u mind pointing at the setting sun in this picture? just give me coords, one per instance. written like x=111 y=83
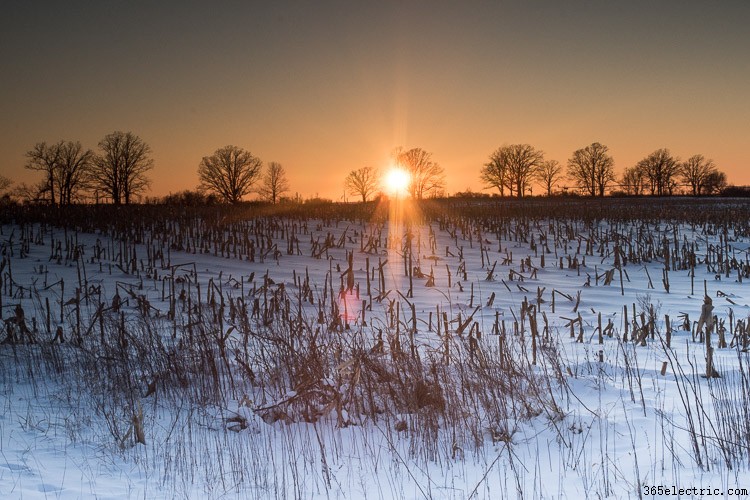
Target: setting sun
x=396 y=182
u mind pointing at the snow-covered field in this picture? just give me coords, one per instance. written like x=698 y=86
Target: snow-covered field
x=473 y=350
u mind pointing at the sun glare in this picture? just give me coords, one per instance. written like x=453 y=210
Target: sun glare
x=396 y=182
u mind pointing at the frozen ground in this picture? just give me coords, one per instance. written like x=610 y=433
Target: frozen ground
x=169 y=386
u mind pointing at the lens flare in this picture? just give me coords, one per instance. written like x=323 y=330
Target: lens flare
x=396 y=182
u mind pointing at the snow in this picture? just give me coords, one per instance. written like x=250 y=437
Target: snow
x=616 y=426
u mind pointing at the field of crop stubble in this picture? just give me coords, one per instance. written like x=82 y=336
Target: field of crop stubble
x=449 y=349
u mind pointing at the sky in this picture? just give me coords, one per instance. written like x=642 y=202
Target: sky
x=328 y=87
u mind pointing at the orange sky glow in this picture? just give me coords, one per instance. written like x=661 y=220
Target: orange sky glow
x=326 y=88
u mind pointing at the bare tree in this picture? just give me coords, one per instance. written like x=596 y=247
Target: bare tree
x=633 y=180
x=660 y=169
x=73 y=167
x=714 y=182
x=65 y=165
x=5 y=183
x=5 y=194
x=512 y=167
x=494 y=173
x=695 y=171
x=592 y=168
x=230 y=173
x=524 y=163
x=549 y=174
x=273 y=183
x=120 y=170
x=362 y=182
x=36 y=193
x=427 y=177
x=45 y=158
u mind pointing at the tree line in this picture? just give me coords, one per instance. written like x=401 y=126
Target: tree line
x=513 y=168
x=117 y=173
